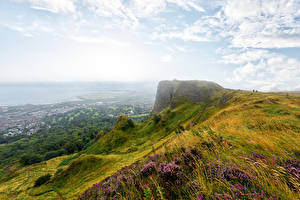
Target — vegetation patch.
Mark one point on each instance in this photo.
(68, 160)
(42, 180)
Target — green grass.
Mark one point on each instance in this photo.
(68, 160)
(248, 122)
(141, 115)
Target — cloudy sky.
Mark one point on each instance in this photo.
(248, 44)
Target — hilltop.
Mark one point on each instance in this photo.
(201, 142)
(171, 92)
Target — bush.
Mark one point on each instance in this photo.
(229, 173)
(156, 118)
(130, 123)
(53, 154)
(148, 169)
(70, 147)
(79, 144)
(169, 172)
(29, 159)
(127, 125)
(42, 180)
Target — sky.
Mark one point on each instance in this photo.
(240, 44)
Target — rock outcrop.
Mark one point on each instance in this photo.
(196, 91)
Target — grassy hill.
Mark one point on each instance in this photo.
(230, 143)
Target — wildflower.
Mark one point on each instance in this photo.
(257, 156)
(148, 169)
(291, 165)
(191, 125)
(169, 172)
(230, 173)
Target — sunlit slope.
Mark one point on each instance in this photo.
(247, 147)
(249, 122)
(130, 144)
(124, 145)
(269, 123)
(17, 182)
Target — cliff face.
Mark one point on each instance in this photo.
(196, 91)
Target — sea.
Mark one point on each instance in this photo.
(13, 94)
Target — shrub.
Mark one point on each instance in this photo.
(79, 144)
(70, 147)
(42, 180)
(148, 169)
(130, 123)
(235, 174)
(156, 118)
(229, 173)
(29, 159)
(169, 172)
(53, 154)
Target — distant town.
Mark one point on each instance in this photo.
(29, 119)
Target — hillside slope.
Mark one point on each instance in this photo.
(169, 92)
(205, 146)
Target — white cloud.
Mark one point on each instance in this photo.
(186, 36)
(264, 70)
(247, 24)
(166, 58)
(208, 28)
(250, 28)
(195, 6)
(113, 8)
(122, 12)
(197, 32)
(179, 48)
(98, 40)
(187, 5)
(263, 24)
(132, 10)
(17, 28)
(29, 30)
(107, 8)
(55, 6)
(147, 8)
(246, 56)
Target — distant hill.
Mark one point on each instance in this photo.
(170, 92)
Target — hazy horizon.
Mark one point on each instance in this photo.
(41, 93)
(140, 40)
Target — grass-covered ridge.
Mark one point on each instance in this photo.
(230, 140)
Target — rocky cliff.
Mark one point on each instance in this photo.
(196, 91)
